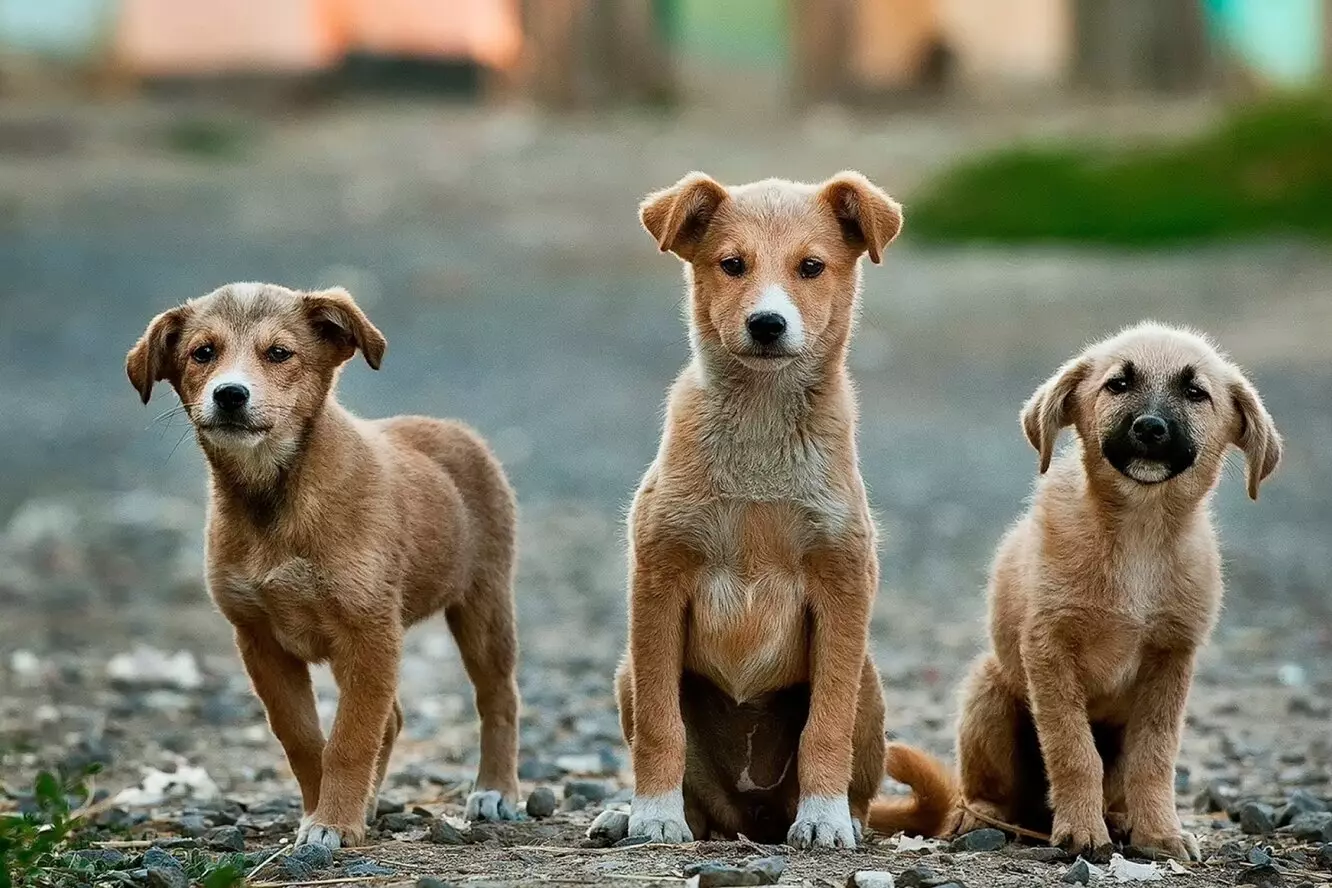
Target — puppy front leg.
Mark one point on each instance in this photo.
(841, 589)
(282, 683)
(1151, 743)
(1072, 763)
(657, 602)
(366, 671)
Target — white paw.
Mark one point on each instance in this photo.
(489, 804)
(659, 818)
(823, 822)
(312, 833)
(610, 825)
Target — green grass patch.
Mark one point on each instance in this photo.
(209, 138)
(1264, 171)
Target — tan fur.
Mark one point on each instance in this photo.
(1099, 599)
(328, 536)
(752, 548)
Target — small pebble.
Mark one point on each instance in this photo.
(1079, 873)
(1325, 856)
(225, 838)
(367, 869)
(1257, 819)
(592, 790)
(155, 856)
(541, 803)
(1038, 853)
(870, 879)
(432, 882)
(1258, 856)
(714, 874)
(313, 855)
(920, 877)
(979, 840)
(397, 823)
(575, 802)
(444, 833)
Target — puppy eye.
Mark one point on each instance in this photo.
(203, 354)
(1118, 385)
(1196, 393)
(811, 267)
(277, 354)
(733, 266)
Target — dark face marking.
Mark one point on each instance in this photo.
(1150, 440)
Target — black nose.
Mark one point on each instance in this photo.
(231, 396)
(1150, 430)
(766, 327)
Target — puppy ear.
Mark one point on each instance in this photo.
(678, 216)
(337, 318)
(152, 359)
(1255, 434)
(1050, 408)
(870, 219)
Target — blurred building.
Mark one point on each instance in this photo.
(598, 52)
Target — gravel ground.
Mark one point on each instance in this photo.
(501, 257)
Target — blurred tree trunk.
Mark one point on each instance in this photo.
(1131, 45)
(589, 53)
(821, 50)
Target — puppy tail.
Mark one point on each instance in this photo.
(934, 794)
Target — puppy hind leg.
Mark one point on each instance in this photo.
(484, 629)
(987, 746)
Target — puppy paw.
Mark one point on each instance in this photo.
(823, 822)
(1087, 836)
(489, 804)
(659, 818)
(610, 826)
(1181, 846)
(314, 832)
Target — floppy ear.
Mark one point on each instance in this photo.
(1050, 408)
(1256, 434)
(338, 319)
(678, 216)
(870, 219)
(151, 359)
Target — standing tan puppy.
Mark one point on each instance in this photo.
(329, 535)
(1101, 595)
(746, 693)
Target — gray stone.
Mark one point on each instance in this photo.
(295, 870)
(444, 833)
(1260, 875)
(1257, 819)
(979, 840)
(714, 874)
(538, 771)
(432, 882)
(1314, 826)
(870, 879)
(1038, 853)
(225, 838)
(168, 877)
(592, 790)
(313, 855)
(1325, 856)
(101, 857)
(387, 806)
(1258, 856)
(1079, 873)
(575, 802)
(1301, 801)
(155, 856)
(400, 822)
(541, 803)
(367, 869)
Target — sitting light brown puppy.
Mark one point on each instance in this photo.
(329, 535)
(746, 693)
(1102, 594)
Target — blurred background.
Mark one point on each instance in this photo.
(470, 170)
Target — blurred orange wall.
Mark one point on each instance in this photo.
(201, 37)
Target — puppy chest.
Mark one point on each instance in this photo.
(292, 597)
(748, 624)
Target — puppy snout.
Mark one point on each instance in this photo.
(766, 327)
(231, 396)
(1150, 431)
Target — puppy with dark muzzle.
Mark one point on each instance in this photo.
(1100, 597)
(329, 535)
